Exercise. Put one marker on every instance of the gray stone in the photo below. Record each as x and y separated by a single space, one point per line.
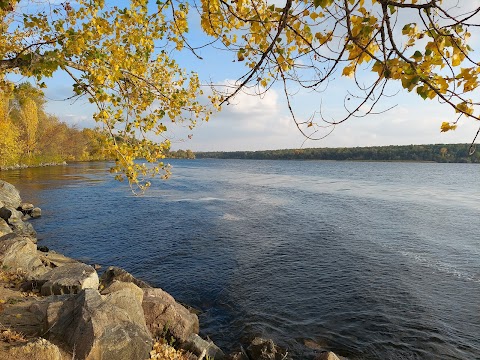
121 293
97 328
197 345
114 273
14 218
69 279
4 228
26 229
36 213
20 253
26 217
26 207
163 312
9 195
265 349
52 260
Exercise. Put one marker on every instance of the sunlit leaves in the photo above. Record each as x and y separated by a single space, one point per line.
121 57
112 54
447 127
419 44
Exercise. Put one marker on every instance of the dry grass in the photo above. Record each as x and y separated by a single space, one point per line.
12 278
162 351
11 336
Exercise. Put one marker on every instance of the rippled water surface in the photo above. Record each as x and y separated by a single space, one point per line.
371 260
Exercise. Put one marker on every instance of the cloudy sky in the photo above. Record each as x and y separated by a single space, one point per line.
258 123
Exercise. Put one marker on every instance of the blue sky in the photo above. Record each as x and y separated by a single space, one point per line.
254 123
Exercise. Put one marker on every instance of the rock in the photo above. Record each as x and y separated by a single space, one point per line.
14 219
68 279
20 253
9 195
26 217
97 328
327 355
39 349
25 228
197 345
52 260
26 207
265 349
15 216
163 312
4 228
43 248
120 294
114 273
36 213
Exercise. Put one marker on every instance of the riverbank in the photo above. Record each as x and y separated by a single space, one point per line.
54 307
25 166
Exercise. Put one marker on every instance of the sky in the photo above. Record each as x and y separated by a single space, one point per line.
262 123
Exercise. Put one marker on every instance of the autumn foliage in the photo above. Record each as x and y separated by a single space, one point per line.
30 136
122 59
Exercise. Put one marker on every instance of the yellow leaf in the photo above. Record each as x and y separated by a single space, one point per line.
447 127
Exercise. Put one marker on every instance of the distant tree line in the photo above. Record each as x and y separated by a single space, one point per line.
432 153
30 136
180 154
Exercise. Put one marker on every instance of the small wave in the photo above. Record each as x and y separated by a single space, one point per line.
204 199
439 266
231 217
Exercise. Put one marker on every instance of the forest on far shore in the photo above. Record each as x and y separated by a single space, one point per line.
29 136
448 153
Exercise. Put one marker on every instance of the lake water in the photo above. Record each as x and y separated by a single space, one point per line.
370 260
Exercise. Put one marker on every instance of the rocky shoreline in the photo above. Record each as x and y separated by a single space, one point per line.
54 307
24 166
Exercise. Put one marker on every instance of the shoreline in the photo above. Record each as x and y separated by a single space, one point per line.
24 166
120 316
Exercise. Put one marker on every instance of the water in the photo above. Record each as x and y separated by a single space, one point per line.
370 260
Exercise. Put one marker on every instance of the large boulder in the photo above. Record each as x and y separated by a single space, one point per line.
114 273
4 228
19 252
162 313
68 279
9 195
266 349
120 294
101 327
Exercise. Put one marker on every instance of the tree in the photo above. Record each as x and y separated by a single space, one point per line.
10 149
120 58
29 117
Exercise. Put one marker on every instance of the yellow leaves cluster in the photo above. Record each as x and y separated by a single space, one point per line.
447 127
163 351
120 57
110 53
